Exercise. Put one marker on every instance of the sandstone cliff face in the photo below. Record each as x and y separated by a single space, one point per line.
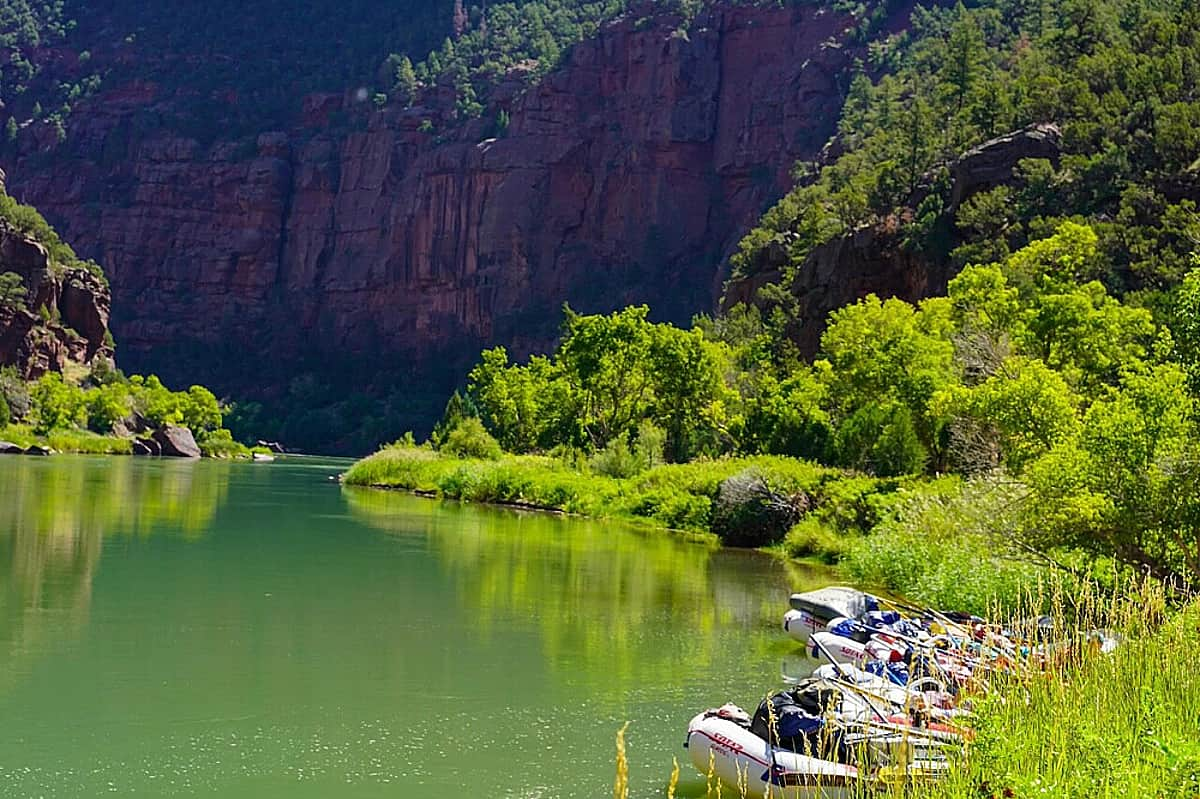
626 176
63 317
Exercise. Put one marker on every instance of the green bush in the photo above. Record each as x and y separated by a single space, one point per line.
5 414
57 405
616 460
107 405
811 538
220 444
469 439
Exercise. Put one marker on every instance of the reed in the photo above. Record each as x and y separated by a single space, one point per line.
621 783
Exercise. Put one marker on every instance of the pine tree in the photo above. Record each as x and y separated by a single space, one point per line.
406 80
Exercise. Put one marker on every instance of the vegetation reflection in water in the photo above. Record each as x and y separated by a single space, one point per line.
243 630
54 515
614 588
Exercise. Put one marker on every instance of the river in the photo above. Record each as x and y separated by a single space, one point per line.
173 628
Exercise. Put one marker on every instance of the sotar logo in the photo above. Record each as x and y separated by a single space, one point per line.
728 743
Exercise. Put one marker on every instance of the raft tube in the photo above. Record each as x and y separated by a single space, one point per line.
742 760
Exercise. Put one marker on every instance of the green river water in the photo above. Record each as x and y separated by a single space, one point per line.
221 629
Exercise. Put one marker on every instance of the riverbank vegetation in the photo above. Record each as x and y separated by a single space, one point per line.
1118 724
102 411
1028 417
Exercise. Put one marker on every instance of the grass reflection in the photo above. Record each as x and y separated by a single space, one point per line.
612 604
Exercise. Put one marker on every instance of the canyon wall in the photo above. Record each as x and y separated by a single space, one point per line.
402 241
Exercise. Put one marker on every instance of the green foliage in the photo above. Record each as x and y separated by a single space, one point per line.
458 408
616 460
219 443
813 538
469 439
57 404
12 289
107 405
1125 720
5 413
610 374
199 411
75 418
1126 485
1118 78
946 545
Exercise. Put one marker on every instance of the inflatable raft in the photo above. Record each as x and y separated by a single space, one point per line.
738 758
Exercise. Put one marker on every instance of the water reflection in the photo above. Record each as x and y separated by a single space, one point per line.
625 606
55 514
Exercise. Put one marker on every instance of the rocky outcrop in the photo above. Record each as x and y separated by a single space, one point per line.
873 259
992 163
62 317
625 176
175 441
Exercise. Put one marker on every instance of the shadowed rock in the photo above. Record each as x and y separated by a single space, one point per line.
176 441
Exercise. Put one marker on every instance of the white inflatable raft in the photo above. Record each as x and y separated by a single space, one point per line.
739 758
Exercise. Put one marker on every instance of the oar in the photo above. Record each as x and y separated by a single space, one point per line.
845 675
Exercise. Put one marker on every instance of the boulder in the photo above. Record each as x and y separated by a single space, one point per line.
9 448
176 441
146 446
37 449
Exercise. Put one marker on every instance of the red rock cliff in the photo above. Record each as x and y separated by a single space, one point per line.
625 176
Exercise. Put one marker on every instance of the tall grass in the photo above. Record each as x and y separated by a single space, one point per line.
674 496
1122 724
78 441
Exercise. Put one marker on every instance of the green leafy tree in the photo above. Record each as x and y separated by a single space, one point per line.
106 405
885 352
57 405
1025 409
1126 487
199 411
154 401
1185 328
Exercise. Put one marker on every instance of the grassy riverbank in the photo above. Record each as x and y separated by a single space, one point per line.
1116 725
85 442
939 541
672 496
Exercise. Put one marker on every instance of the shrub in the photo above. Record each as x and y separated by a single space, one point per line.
748 513
220 444
469 439
811 538
5 415
616 460
106 406
58 404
